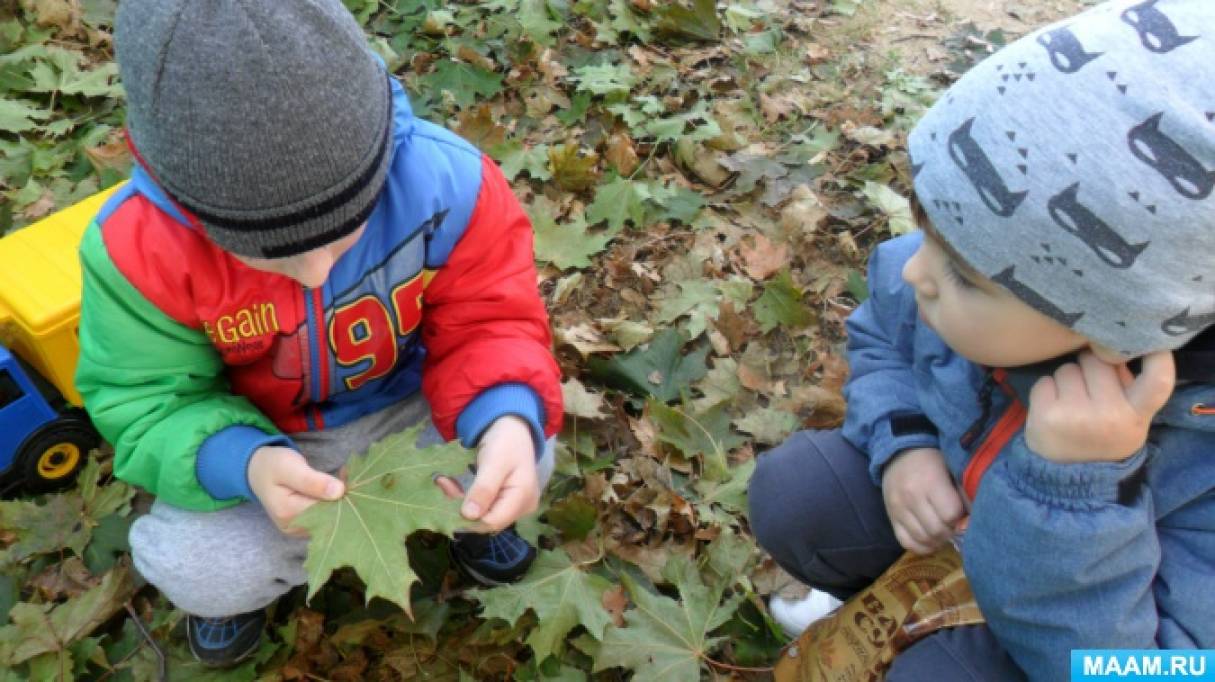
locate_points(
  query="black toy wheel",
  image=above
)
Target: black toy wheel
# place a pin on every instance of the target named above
(51, 458)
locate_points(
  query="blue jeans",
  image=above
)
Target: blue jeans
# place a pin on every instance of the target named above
(817, 512)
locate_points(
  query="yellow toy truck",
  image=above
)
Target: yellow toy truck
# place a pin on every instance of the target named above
(44, 432)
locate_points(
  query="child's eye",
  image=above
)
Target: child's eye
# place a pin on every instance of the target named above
(954, 274)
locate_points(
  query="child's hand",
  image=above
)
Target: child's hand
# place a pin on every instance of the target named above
(506, 487)
(286, 485)
(921, 500)
(1092, 411)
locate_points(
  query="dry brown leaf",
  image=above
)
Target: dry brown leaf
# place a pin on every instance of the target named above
(804, 214)
(776, 107)
(646, 434)
(615, 601)
(621, 154)
(736, 328)
(479, 127)
(763, 259)
(585, 339)
(114, 154)
(61, 14)
(68, 578)
(41, 207)
(816, 53)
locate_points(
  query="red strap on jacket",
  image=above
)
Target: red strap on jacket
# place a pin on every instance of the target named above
(1009, 424)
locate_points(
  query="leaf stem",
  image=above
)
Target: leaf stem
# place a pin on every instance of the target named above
(653, 149)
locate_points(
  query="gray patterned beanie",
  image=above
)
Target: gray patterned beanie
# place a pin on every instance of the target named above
(1075, 168)
(270, 121)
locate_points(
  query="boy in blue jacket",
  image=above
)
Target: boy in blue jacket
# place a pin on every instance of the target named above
(1064, 192)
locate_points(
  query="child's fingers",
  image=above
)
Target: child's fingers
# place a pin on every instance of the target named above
(1044, 392)
(936, 530)
(915, 531)
(449, 486)
(948, 504)
(511, 504)
(1069, 381)
(1152, 388)
(1101, 379)
(305, 480)
(906, 539)
(484, 490)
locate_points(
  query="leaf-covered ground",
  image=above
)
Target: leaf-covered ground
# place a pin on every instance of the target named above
(705, 180)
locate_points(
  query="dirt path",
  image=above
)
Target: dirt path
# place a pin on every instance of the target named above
(914, 29)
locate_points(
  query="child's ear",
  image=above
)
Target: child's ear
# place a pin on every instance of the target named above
(1107, 354)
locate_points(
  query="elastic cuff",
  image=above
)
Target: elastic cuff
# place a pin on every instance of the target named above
(519, 400)
(1071, 482)
(222, 465)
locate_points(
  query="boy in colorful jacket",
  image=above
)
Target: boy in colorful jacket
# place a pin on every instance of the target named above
(295, 263)
(1068, 227)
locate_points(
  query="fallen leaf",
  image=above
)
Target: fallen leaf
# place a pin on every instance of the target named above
(390, 493)
(585, 339)
(579, 402)
(563, 595)
(763, 259)
(665, 639)
(37, 629)
(621, 154)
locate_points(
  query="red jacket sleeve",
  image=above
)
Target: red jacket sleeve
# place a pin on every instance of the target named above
(483, 322)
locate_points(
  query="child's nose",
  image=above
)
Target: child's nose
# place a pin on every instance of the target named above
(915, 274)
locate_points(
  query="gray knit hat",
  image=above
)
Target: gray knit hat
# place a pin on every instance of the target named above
(269, 120)
(1074, 168)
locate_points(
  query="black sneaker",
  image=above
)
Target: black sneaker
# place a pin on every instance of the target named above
(492, 560)
(224, 642)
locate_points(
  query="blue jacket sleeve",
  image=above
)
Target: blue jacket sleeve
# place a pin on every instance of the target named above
(1066, 556)
(884, 415)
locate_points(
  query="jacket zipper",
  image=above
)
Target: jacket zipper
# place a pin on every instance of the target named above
(976, 427)
(1006, 427)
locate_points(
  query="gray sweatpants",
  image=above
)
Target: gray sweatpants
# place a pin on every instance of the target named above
(235, 560)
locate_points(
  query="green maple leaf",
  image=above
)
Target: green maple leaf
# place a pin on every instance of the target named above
(465, 82)
(674, 203)
(567, 245)
(622, 20)
(390, 493)
(781, 304)
(666, 639)
(17, 116)
(705, 433)
(671, 128)
(896, 207)
(698, 299)
(562, 594)
(659, 370)
(723, 502)
(536, 23)
(689, 19)
(605, 79)
(767, 424)
(60, 72)
(617, 202)
(515, 158)
(65, 519)
(38, 629)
